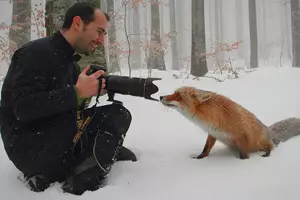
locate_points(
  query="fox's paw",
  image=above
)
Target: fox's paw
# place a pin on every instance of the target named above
(243, 156)
(267, 154)
(199, 156)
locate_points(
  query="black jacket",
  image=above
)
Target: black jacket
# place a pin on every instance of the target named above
(38, 88)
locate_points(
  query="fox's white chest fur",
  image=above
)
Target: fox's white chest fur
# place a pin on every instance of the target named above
(218, 134)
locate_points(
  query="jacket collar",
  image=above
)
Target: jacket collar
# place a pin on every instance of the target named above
(64, 47)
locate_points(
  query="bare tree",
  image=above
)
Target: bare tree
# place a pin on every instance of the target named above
(55, 12)
(135, 40)
(295, 19)
(181, 22)
(156, 54)
(49, 15)
(288, 31)
(112, 38)
(20, 29)
(220, 56)
(198, 62)
(240, 28)
(175, 65)
(146, 36)
(253, 34)
(263, 46)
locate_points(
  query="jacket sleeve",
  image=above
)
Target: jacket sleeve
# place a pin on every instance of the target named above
(30, 98)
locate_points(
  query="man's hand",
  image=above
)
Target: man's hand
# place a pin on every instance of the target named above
(87, 86)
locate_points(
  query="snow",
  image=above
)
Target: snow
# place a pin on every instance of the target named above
(164, 142)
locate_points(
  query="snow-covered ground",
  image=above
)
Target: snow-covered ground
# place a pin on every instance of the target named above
(164, 141)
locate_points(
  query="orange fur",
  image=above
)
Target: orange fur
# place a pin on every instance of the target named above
(227, 121)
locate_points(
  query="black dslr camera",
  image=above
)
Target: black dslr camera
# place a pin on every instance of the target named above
(139, 87)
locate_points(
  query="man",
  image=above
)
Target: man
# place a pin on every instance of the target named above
(41, 96)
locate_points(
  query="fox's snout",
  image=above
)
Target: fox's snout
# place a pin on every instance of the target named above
(163, 100)
(169, 100)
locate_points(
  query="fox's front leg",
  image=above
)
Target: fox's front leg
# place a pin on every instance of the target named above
(243, 148)
(210, 142)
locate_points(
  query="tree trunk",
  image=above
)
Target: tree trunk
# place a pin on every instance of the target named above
(288, 31)
(198, 62)
(283, 35)
(264, 42)
(136, 38)
(253, 34)
(156, 57)
(218, 33)
(60, 8)
(295, 26)
(240, 27)
(114, 64)
(183, 58)
(146, 37)
(20, 30)
(49, 15)
(175, 65)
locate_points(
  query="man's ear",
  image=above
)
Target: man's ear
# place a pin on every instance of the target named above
(203, 96)
(77, 22)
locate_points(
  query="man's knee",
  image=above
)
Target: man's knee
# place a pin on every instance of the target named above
(122, 117)
(115, 117)
(123, 112)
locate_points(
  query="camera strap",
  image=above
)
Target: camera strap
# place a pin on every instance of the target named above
(99, 90)
(81, 122)
(80, 113)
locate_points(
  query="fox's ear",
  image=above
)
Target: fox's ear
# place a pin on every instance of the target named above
(203, 96)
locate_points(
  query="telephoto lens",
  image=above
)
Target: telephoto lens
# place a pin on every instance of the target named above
(139, 87)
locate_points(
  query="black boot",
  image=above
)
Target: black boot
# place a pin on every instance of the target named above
(126, 155)
(37, 183)
(77, 184)
(86, 177)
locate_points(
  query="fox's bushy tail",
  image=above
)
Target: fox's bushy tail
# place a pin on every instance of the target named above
(285, 129)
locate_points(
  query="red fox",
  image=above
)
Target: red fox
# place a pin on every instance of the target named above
(228, 122)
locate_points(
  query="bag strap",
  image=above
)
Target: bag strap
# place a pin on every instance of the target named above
(99, 90)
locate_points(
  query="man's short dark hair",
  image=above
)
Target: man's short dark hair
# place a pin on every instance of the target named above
(84, 10)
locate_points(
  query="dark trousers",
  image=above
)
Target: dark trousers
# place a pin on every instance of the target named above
(101, 138)
(58, 156)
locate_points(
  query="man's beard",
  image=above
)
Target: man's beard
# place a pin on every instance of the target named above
(88, 53)
(84, 51)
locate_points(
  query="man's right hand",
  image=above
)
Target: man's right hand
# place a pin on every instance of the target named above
(87, 86)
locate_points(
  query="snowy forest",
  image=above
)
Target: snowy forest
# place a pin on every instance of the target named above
(246, 50)
(193, 36)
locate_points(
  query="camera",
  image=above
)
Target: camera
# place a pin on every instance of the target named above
(139, 87)
(94, 68)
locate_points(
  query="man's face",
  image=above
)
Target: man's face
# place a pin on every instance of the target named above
(91, 35)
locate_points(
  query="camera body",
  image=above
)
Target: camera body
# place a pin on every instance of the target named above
(140, 87)
(94, 68)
